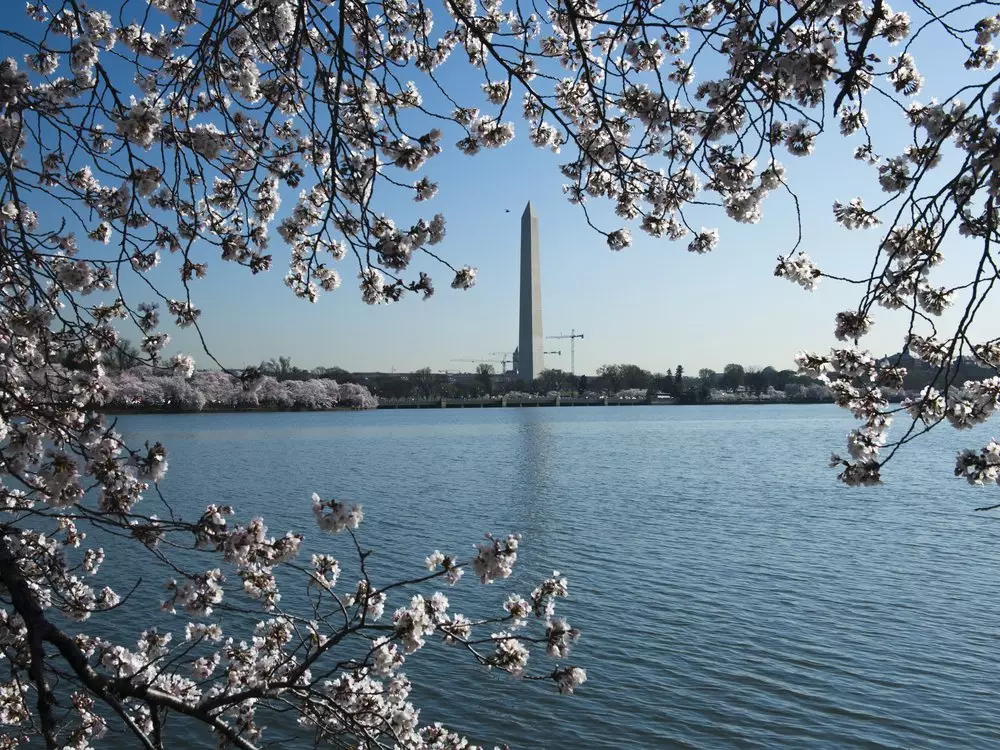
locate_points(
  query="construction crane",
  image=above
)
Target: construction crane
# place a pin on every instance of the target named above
(573, 336)
(478, 361)
(505, 357)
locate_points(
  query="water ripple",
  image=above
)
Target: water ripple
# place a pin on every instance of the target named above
(730, 594)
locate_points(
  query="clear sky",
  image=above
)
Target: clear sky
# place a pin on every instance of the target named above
(654, 304)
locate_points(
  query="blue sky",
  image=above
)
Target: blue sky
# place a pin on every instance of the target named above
(654, 304)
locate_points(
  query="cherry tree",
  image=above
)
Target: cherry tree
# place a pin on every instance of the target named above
(272, 393)
(309, 394)
(180, 394)
(356, 396)
(219, 388)
(143, 387)
(133, 389)
(142, 141)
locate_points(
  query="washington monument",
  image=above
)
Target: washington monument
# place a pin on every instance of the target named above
(530, 344)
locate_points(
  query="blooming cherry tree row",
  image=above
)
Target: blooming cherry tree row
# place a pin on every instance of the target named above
(143, 387)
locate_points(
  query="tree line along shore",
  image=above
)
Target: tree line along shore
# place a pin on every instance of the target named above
(279, 385)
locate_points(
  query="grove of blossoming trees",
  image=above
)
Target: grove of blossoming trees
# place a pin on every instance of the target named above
(143, 387)
(137, 134)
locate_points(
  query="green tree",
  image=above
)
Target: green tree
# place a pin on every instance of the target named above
(679, 379)
(611, 375)
(581, 386)
(390, 386)
(633, 376)
(426, 382)
(733, 376)
(771, 378)
(756, 382)
(663, 382)
(551, 380)
(484, 376)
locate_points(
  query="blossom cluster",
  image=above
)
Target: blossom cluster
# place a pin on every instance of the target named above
(212, 675)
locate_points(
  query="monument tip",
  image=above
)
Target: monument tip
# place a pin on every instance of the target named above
(528, 210)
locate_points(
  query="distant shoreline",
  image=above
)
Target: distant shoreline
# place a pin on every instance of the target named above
(574, 403)
(435, 404)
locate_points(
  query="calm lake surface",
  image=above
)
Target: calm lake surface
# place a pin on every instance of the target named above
(730, 592)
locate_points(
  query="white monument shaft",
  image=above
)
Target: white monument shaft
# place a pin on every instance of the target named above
(530, 342)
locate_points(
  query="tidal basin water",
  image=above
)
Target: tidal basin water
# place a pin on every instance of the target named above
(730, 592)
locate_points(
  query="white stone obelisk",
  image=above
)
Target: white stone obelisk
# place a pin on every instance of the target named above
(530, 343)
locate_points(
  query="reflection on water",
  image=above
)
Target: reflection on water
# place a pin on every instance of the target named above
(729, 592)
(531, 464)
